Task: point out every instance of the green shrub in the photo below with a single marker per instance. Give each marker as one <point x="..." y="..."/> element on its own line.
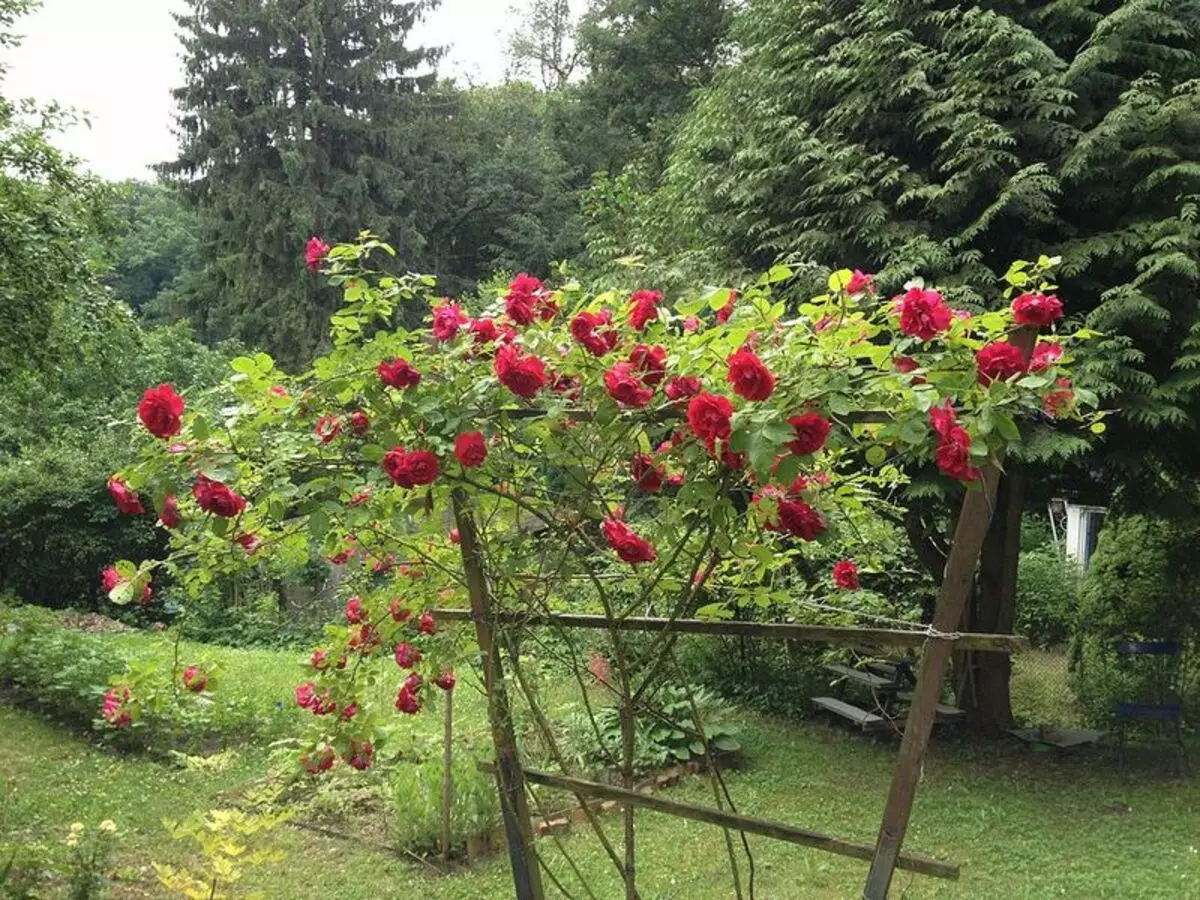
<point x="664" y="733"/>
<point x="65" y="673"/>
<point x="1143" y="583"/>
<point x="416" y="810"/>
<point x="59" y="527"/>
<point x="1048" y="585"/>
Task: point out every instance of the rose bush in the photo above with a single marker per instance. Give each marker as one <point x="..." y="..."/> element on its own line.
<point x="689" y="449"/>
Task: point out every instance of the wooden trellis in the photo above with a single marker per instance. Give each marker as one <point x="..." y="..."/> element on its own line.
<point x="936" y="643"/>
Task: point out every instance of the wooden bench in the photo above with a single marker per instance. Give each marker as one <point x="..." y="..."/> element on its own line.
<point x="945" y="713"/>
<point x="876" y="683"/>
<point x="860" y="717"/>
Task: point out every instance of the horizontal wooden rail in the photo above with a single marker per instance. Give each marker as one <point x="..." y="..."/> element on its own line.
<point x="747" y="824"/>
<point x="817" y="634"/>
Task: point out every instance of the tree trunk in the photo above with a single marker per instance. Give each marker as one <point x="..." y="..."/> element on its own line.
<point x="982" y="678"/>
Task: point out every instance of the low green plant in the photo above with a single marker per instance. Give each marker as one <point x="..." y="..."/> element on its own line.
<point x="416" y="808"/>
<point x="231" y="842"/>
<point x="665" y="731"/>
<point x="89" y="855"/>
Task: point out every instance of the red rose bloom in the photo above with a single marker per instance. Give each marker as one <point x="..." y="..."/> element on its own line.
<point x="360" y="755"/>
<point x="726" y="311"/>
<point x="314" y="253"/>
<point x="408" y="701"/>
<point x="411" y="468"/>
<point x="583" y="329"/>
<point x="860" y="283"/>
<point x="127" y="501"/>
<point x="399" y="613"/>
<point x="354" y="610"/>
<point x="448" y="317"/>
<point x="161" y="411"/>
<point x="812" y="430"/>
<point x="115" y="710"/>
<point x="483" y="331"/>
<point x="734" y="461"/>
<point x="327" y="428"/>
<point x="398" y="373"/>
<point x="1038" y="310"/>
<point x="749" y="377"/>
<point x="953" y="455"/>
<point x="320" y="660"/>
<point x="647" y="477"/>
<point x="629" y="546"/>
<point x="624" y="386"/>
<point x="249" y="541"/>
<point x="195" y="679"/>
<point x="845" y="575"/>
<point x="470" y="449"/>
<point x="905" y="364"/>
<point x="359" y="423"/>
<point x="643" y="308"/>
<point x="943" y="420"/>
<point x="216" y="498"/>
<point x="797" y="518"/>
<point x="426" y="624"/>
<point x="954" y="444"/>
<point x="522" y="374"/>
<point x="1045" y="354"/>
<point x="708" y="416"/>
<point x="999" y="362"/>
<point x="923" y="314"/>
<point x="690" y="324"/>
<point x="320" y="760"/>
<point x="681" y="387"/>
<point x="455" y="536"/>
<point x="169" y="516"/>
<point x="525" y="293"/>
<point x="110" y="579"/>
<point x="407" y="655"/>
<point x="651" y="362"/>
<point x="1059" y="401"/>
<point x="446" y="680"/>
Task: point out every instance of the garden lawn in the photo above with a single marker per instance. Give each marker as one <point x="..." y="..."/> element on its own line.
<point x="1022" y="825"/>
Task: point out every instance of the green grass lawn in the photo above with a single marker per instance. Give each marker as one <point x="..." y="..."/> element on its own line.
<point x="1022" y="825"/>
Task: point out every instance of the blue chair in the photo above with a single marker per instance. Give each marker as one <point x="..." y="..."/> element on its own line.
<point x="1156" y="664"/>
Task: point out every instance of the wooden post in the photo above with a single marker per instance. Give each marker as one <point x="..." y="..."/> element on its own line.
<point x="973" y="522"/>
<point x="447" y="774"/>
<point x="514" y="805"/>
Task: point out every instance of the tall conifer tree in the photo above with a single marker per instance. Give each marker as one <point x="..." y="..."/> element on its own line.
<point x="297" y="117"/>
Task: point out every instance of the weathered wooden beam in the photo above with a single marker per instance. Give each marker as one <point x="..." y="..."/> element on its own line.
<point x="836" y="635"/>
<point x="514" y="804"/>
<point x="973" y="522"/>
<point x="747" y="824"/>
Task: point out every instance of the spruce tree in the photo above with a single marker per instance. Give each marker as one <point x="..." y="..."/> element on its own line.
<point x="297" y="118"/>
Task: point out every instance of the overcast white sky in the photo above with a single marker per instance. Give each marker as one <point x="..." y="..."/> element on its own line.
<point x="117" y="60"/>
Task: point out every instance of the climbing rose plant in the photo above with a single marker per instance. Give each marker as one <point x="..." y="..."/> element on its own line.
<point x="611" y="452"/>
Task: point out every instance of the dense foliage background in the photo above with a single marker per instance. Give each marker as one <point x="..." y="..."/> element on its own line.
<point x="638" y="142"/>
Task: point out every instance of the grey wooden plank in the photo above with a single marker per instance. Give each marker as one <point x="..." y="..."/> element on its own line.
<point x="874" y="682"/>
<point x="859" y="717"/>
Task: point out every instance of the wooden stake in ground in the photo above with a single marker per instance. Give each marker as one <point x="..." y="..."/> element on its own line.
<point x="969" y="534"/>
<point x="514" y="805"/>
<point x="447" y="774"/>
